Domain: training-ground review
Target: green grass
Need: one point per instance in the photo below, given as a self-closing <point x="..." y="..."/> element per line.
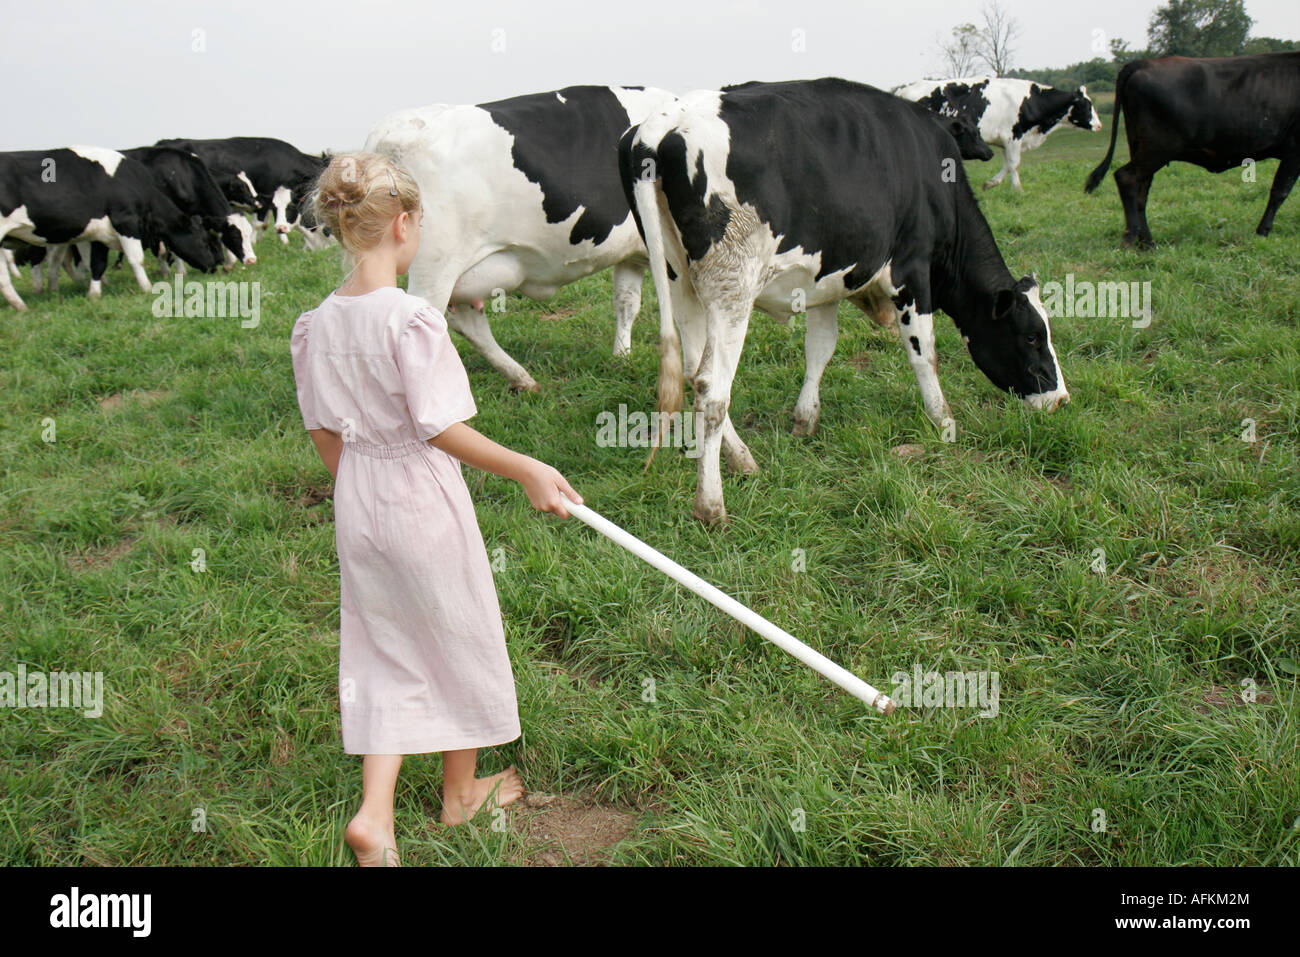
<point x="1120" y="691"/>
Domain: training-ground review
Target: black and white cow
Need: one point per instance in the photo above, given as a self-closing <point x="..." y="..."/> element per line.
<point x="804" y="193"/>
<point x="62" y="196"/>
<point x="1015" y="114"/>
<point x="521" y="195"/>
<point x="190" y="185"/>
<point x="1218" y="113"/>
<point x="278" y="174"/>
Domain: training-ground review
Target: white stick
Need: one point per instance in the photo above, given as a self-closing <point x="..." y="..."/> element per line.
<point x="778" y="636"/>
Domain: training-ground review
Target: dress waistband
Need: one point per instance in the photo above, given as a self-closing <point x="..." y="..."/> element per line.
<point x="395" y="451"/>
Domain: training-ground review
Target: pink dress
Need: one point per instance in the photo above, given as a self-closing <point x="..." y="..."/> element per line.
<point x="422" y="655"/>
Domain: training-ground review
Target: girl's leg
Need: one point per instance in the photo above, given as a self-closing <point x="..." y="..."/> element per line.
<point x="370" y="833"/>
<point x="463" y="794"/>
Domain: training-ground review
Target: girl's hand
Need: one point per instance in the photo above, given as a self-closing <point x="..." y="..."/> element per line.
<point x="544" y="486"/>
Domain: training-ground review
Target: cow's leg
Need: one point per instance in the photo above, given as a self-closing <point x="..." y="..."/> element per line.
<point x="1013" y="162"/>
<point x="14" y="271"/>
<point x="627" y="303"/>
<point x="470" y="320"/>
<point x="45" y="269"/>
<point x="1283" y="180"/>
<point x="98" y="266"/>
<point x="1126" y="181"/>
<point x="916" y="332"/>
<point x="6" y="285"/>
<point x="1144" y="240"/>
<point x="821" y="334"/>
<point x="713" y="381"/>
<point x="1006" y="166"/>
<point x="77" y="261"/>
<point x="133" y="251"/>
<point x="58" y="259"/>
<point x="692" y="328"/>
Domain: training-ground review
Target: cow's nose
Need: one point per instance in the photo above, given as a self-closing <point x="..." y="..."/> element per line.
<point x="250" y="261"/>
<point x="281" y="229"/>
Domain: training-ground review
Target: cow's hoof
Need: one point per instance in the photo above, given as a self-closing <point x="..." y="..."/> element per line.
<point x="1263" y="230"/>
<point x="529" y="386"/>
<point x="711" y="515"/>
<point x="740" y="462"/>
<point x="804" y="427"/>
<point x="989" y="184"/>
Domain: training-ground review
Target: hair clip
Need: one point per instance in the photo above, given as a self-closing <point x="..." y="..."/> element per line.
<point x="393" y="189"/>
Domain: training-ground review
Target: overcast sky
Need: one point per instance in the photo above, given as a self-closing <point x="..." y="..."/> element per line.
<point x="319" y="73"/>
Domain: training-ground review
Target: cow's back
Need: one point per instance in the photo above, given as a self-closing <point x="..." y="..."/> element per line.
<point x="842" y="168"/>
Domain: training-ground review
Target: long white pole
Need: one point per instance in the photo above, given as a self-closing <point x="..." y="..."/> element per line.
<point x="746" y="616"/>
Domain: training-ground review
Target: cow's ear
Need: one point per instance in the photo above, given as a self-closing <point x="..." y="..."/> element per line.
<point x="1083" y="89"/>
<point x="1004" y="303"/>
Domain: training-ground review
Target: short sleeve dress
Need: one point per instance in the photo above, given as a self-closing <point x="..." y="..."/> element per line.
<point x="423" y="664"/>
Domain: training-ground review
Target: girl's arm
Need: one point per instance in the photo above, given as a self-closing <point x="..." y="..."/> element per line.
<point x="330" y="446"/>
<point x="542" y="483"/>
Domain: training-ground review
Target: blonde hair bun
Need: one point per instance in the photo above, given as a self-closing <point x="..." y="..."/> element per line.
<point x="354" y="197"/>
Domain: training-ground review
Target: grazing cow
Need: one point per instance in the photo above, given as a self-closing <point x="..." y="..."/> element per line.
<point x="781" y="195"/>
<point x="61" y="196"/>
<point x="1014" y="114"/>
<point x="1214" y="112"/>
<point x="190" y="185"/>
<point x="278" y="174"/>
<point x="521" y="195"/>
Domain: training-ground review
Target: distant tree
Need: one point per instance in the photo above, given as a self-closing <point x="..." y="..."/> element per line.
<point x="997" y="38"/>
<point x="1270" y="45"/>
<point x="1199" y="28"/>
<point x="1121" y="52"/>
<point x="960" y="51"/>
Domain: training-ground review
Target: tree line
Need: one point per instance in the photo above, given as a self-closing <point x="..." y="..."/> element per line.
<point x="1195" y="28"/>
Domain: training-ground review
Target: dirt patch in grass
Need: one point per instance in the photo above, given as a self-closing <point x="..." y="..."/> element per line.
<point x="1219" y="696"/>
<point x="304" y="495"/>
<point x="564" y="830"/>
<point x="99" y="557"/>
<point x="556" y="315"/>
<point x="909" y="451"/>
<point x="117" y="399"/>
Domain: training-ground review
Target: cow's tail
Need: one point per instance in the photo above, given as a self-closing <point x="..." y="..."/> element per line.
<point x="646" y="199"/>
<point x="1094" y="178"/>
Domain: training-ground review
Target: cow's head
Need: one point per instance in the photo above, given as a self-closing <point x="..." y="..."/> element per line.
<point x="189" y="238"/>
<point x="967" y="134"/>
<point x="280" y="201"/>
<point x="1082" y="113"/>
<point x="237" y="236"/>
<point x="1012" y="345"/>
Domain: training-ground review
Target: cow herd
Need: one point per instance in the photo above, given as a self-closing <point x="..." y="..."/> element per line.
<point x="785" y="197"/>
<point x="186" y="201"/>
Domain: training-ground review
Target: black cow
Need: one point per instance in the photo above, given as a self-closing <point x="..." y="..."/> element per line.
<point x="61" y="196"/>
<point x="190" y="185"/>
<point x="1215" y="112"/>
<point x="796" y="195"/>
<point x="279" y="175"/>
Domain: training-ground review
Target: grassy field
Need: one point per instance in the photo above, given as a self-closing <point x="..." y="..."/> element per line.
<point x="1147" y="710"/>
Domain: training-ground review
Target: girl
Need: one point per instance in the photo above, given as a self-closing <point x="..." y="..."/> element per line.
<point x="422" y="657"/>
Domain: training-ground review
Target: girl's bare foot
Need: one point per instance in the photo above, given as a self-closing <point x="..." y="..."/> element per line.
<point x="372" y="842"/>
<point x="459" y="808"/>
